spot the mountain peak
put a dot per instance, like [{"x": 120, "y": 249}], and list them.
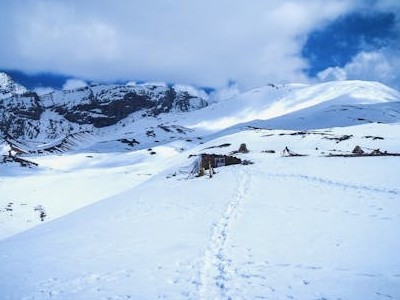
[
  {"x": 5, "y": 79},
  {"x": 8, "y": 87}
]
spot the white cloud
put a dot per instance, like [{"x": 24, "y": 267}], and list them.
[
  {"x": 369, "y": 65},
  {"x": 207, "y": 42},
  {"x": 382, "y": 66},
  {"x": 59, "y": 34},
  {"x": 225, "y": 93},
  {"x": 72, "y": 84}
]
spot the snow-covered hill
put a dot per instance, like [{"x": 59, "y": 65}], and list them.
[
  {"x": 113, "y": 211},
  {"x": 332, "y": 104}
]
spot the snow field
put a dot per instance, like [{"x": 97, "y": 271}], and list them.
[
  {"x": 65, "y": 183},
  {"x": 308, "y": 227}
]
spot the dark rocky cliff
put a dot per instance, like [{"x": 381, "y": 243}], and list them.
[{"x": 26, "y": 116}]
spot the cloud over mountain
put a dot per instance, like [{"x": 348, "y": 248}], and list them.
[{"x": 205, "y": 43}]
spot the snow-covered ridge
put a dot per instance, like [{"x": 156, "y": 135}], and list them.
[
  {"x": 274, "y": 101},
  {"x": 332, "y": 104},
  {"x": 350, "y": 92}
]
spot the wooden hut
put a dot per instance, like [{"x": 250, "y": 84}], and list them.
[{"x": 218, "y": 160}]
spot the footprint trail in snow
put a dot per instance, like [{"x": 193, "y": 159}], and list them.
[{"x": 216, "y": 269}]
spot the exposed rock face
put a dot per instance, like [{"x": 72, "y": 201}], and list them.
[
  {"x": 26, "y": 116},
  {"x": 19, "y": 113}
]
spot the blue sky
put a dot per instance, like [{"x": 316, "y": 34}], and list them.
[
  {"x": 341, "y": 40},
  {"x": 204, "y": 43}
]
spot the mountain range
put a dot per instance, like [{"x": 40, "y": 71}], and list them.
[{"x": 138, "y": 116}]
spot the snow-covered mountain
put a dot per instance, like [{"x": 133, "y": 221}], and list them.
[
  {"x": 9, "y": 88},
  {"x": 138, "y": 116},
  {"x": 116, "y": 212},
  {"x": 34, "y": 121}
]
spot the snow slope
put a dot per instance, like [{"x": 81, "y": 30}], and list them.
[
  {"x": 63, "y": 184},
  {"x": 323, "y": 116},
  {"x": 271, "y": 102},
  {"x": 309, "y": 227}
]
